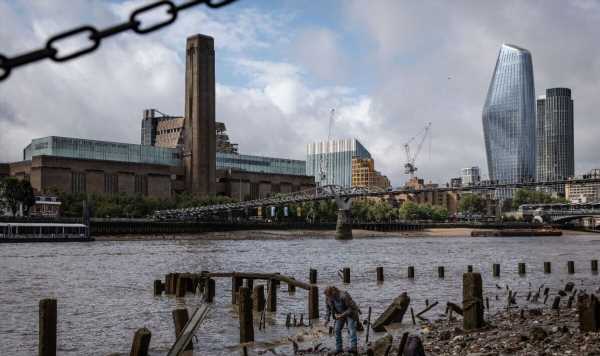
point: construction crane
(409, 167)
(323, 162)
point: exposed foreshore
(294, 234)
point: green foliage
(471, 204)
(15, 192)
(526, 196)
(129, 206)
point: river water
(104, 288)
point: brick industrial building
(177, 154)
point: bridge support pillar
(343, 228)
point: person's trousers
(339, 325)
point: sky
(387, 67)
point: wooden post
(141, 342)
(411, 272)
(346, 274)
(522, 268)
(470, 268)
(272, 296)
(312, 276)
(47, 328)
(368, 326)
(547, 267)
(313, 302)
(571, 267)
(441, 271)
(158, 287)
(556, 303)
(181, 287)
(472, 301)
(496, 270)
(209, 290)
(402, 344)
(249, 283)
(594, 265)
(379, 274)
(246, 317)
(236, 283)
(291, 289)
(180, 318)
(258, 298)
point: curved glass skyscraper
(509, 117)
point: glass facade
(509, 117)
(101, 150)
(260, 164)
(333, 157)
(555, 153)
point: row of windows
(111, 183)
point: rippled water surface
(104, 289)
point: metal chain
(96, 36)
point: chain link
(95, 36)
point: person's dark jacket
(350, 308)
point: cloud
(384, 66)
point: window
(111, 183)
(78, 182)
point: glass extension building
(509, 118)
(101, 150)
(335, 158)
(260, 164)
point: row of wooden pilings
(344, 273)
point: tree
(11, 187)
(471, 204)
(409, 211)
(25, 196)
(527, 196)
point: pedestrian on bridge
(344, 310)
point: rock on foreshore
(546, 333)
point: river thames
(104, 288)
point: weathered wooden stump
(570, 267)
(47, 327)
(547, 267)
(312, 276)
(313, 302)
(158, 287)
(556, 303)
(472, 301)
(522, 268)
(414, 346)
(594, 265)
(411, 272)
(246, 317)
(236, 283)
(346, 275)
(141, 342)
(569, 286)
(441, 271)
(209, 290)
(272, 296)
(181, 287)
(258, 298)
(379, 271)
(393, 314)
(180, 318)
(496, 270)
(588, 309)
(454, 308)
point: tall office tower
(334, 158)
(509, 118)
(200, 136)
(470, 176)
(555, 153)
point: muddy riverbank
(302, 234)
